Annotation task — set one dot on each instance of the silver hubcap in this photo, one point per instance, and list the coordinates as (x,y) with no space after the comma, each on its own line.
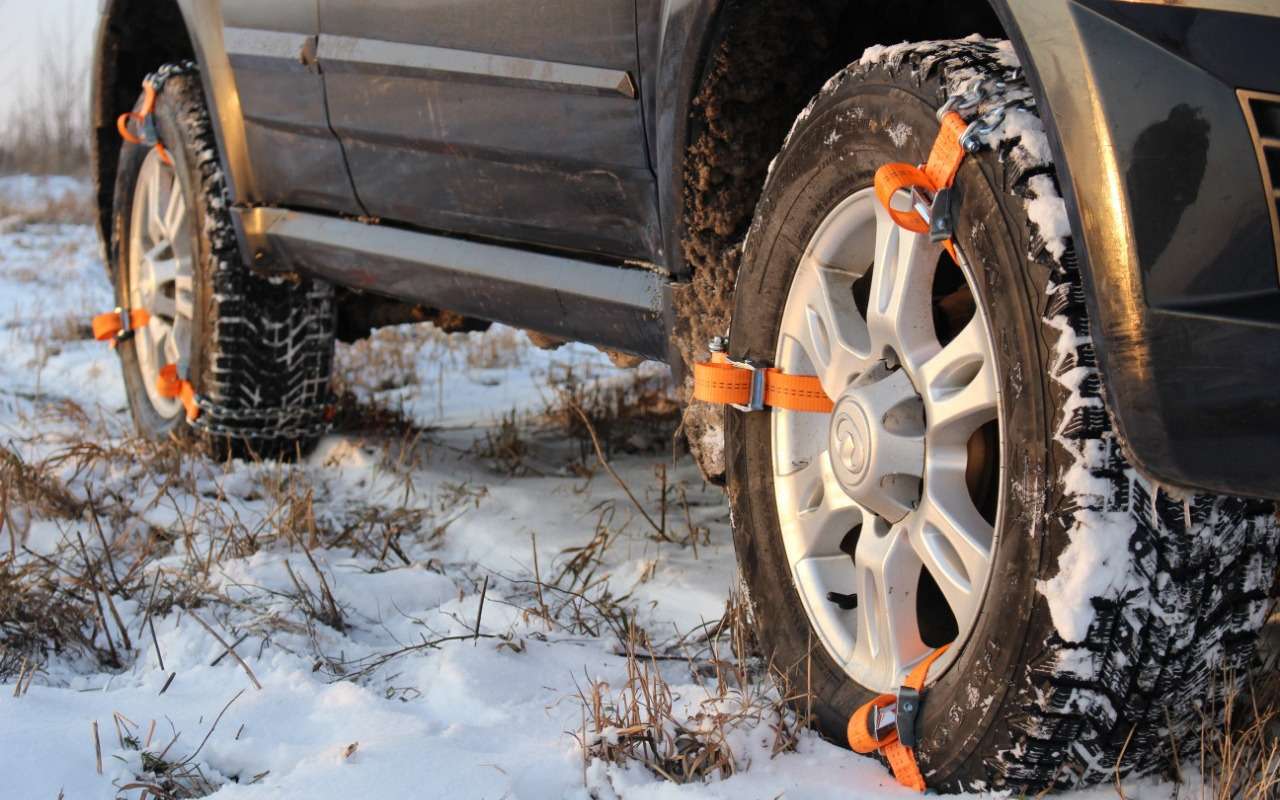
(160,269)
(882,498)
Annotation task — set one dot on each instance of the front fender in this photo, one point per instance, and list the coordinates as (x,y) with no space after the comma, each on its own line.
(1173,220)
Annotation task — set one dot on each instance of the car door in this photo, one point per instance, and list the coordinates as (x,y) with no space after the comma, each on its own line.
(506,119)
(295,158)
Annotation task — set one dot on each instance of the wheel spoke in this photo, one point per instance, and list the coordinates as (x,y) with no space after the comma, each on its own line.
(172,354)
(898,311)
(184,303)
(155,214)
(887,574)
(960,386)
(175,211)
(832,332)
(820,514)
(952,539)
(163,270)
(829,574)
(163,306)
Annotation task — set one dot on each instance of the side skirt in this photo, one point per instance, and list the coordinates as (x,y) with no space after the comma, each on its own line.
(619,308)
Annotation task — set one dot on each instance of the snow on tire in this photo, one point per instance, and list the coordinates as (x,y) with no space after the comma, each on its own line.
(1117,612)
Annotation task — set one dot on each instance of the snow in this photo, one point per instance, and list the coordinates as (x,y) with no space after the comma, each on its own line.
(491,716)
(483,698)
(31,192)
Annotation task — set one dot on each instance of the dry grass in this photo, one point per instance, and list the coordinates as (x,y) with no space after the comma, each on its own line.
(1240,758)
(161,769)
(739,713)
(71,208)
(702,706)
(637,415)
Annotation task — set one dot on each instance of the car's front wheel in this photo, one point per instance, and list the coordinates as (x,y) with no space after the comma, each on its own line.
(967,489)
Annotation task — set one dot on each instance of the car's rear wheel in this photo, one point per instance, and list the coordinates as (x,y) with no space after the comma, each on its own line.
(967,488)
(257,350)
(159,273)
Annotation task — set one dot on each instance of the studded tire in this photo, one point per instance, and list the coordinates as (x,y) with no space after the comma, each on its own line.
(1118,611)
(261,353)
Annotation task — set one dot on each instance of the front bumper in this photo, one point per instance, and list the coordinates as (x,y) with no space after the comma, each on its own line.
(1175,222)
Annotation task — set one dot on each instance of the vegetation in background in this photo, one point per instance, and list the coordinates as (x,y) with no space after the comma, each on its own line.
(46,130)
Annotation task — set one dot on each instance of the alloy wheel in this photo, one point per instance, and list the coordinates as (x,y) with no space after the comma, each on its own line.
(161,265)
(894,497)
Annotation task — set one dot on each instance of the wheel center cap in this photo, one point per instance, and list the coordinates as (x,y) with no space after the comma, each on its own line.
(850,442)
(876,443)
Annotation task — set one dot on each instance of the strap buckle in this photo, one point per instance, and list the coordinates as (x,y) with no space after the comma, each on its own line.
(906,712)
(883,722)
(127,330)
(755,401)
(897,718)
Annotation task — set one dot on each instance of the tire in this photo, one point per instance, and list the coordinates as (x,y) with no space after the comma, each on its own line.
(1114,608)
(259,349)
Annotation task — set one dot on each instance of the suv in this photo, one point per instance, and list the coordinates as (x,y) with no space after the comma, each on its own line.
(1054,436)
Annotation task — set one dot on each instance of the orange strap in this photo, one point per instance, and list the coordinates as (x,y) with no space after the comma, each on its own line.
(902,759)
(107,327)
(140,117)
(947,153)
(718,381)
(939,173)
(170,385)
(861,738)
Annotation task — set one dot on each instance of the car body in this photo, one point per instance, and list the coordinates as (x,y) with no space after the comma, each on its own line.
(528,163)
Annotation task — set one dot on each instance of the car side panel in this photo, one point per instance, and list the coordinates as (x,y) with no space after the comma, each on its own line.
(266,91)
(497,118)
(297,158)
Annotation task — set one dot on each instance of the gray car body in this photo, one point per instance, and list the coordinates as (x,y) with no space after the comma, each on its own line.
(524,162)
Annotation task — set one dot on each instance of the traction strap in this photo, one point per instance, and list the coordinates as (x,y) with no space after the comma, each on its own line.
(139,127)
(147,135)
(934,178)
(118,325)
(750,386)
(888,723)
(173,386)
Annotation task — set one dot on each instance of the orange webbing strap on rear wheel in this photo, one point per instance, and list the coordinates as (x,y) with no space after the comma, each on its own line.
(148,106)
(169,384)
(143,119)
(862,728)
(114,325)
(722,382)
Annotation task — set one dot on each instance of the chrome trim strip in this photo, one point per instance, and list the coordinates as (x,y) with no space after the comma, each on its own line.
(277,45)
(409,60)
(618,286)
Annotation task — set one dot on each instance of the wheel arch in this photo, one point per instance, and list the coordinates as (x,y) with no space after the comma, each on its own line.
(133,38)
(696,35)
(733,76)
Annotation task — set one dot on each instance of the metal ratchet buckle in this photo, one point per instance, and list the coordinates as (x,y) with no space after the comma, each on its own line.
(898,717)
(935,211)
(757,368)
(127,330)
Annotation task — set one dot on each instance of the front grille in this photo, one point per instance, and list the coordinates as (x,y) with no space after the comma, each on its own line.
(1263,114)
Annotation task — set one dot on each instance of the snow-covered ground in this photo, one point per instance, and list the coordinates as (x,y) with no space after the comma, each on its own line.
(427,610)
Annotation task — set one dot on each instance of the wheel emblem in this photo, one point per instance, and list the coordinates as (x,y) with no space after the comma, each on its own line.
(850,443)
